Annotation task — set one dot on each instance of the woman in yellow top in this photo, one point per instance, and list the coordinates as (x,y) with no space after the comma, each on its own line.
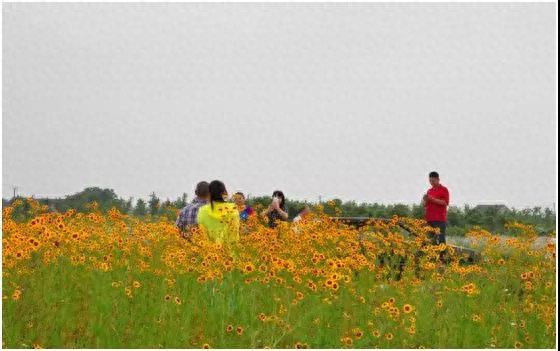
(220,219)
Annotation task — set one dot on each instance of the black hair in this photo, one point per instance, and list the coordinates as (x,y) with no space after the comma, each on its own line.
(240,194)
(202,189)
(280,194)
(434,174)
(217,190)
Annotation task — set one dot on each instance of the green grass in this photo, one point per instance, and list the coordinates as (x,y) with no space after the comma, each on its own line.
(73,306)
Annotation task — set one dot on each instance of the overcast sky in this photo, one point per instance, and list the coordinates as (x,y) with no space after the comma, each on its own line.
(358,102)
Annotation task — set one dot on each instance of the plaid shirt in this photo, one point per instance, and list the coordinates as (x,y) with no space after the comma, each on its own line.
(188,214)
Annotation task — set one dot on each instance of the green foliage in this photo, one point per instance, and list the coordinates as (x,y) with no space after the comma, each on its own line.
(153,204)
(181,201)
(140,210)
(460,220)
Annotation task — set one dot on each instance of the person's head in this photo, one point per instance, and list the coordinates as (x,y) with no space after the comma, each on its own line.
(202,191)
(218,192)
(434,178)
(280,195)
(239,198)
(304,211)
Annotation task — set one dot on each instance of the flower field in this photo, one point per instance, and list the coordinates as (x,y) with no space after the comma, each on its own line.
(110,281)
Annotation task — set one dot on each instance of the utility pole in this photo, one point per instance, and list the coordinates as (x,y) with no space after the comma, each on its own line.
(14,188)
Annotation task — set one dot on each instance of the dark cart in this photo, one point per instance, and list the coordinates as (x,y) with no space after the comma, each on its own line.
(468,255)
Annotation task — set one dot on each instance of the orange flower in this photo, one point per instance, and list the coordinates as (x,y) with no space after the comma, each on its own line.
(248,268)
(407,308)
(476,318)
(362,299)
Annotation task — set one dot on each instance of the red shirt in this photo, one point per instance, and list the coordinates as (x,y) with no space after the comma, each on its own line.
(435,212)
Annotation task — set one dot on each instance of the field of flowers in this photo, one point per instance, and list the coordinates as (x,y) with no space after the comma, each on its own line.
(111,281)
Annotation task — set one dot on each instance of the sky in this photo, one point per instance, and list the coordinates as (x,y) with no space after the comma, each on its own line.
(358,102)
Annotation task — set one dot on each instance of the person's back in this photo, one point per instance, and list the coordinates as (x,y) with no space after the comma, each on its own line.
(188,215)
(219,219)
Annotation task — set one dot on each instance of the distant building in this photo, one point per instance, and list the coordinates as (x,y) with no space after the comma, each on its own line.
(494,208)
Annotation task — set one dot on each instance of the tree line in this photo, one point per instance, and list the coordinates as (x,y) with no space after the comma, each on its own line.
(460,219)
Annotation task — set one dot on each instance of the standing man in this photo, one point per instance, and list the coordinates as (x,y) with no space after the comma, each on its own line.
(436,201)
(187,216)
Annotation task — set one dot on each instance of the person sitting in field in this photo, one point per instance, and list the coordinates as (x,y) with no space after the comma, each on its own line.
(244,210)
(219,219)
(187,218)
(302,214)
(276,211)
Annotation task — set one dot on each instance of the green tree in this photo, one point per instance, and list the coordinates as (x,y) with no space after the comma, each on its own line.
(140,209)
(181,201)
(105,198)
(127,208)
(417,211)
(154,204)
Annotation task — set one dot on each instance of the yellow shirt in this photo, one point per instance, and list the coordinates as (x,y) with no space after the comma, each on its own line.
(221,223)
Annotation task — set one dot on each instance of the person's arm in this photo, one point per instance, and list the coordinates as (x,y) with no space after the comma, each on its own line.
(282,213)
(236,226)
(438,201)
(265,213)
(441,202)
(200,217)
(179,221)
(273,206)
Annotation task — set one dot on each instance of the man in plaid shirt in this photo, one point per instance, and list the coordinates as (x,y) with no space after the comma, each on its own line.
(187,216)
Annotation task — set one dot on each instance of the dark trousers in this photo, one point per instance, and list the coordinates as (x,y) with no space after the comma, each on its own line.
(438,238)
